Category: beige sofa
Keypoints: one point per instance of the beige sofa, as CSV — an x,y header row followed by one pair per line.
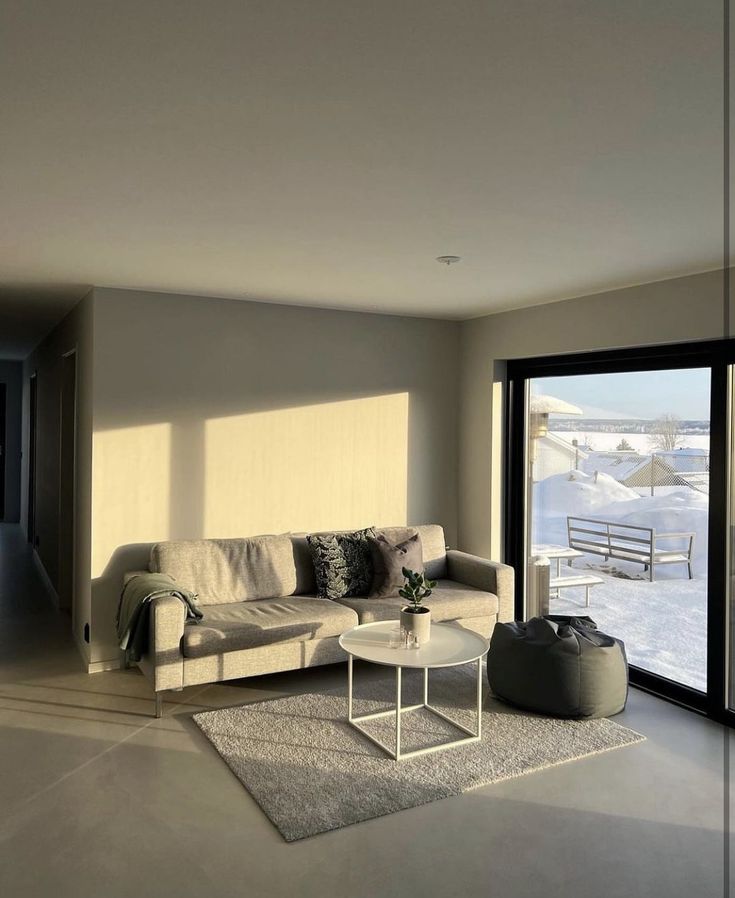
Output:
x,y
262,614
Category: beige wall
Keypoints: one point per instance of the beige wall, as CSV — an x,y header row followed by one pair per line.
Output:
x,y
689,308
74,332
221,418
11,374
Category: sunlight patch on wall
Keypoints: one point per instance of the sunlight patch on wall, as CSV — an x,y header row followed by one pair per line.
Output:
x,y
131,489
335,465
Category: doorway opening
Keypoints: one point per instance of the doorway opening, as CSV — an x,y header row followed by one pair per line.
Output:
x,y
67,477
3,447
32,452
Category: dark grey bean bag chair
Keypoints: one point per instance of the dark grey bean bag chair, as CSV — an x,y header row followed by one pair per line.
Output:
x,y
558,665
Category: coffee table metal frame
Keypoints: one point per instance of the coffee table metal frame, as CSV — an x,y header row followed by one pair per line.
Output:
x,y
398,755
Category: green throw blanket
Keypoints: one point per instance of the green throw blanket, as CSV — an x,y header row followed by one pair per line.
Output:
x,y
133,613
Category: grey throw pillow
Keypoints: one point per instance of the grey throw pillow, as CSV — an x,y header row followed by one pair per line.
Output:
x,y
389,559
342,563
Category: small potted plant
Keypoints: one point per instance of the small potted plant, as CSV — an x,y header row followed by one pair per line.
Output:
x,y
415,618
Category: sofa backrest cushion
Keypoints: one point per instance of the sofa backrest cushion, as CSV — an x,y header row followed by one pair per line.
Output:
x,y
268,567
230,570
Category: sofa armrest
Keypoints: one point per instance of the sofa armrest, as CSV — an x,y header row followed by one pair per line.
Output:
x,y
165,661
499,579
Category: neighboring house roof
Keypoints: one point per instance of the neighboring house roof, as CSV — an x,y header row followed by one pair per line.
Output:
x,y
654,470
688,460
683,467
560,444
541,404
618,465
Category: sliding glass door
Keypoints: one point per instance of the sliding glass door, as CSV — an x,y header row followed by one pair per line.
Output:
x,y
618,501
619,506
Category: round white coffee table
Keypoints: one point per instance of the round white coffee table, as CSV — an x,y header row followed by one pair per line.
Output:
x,y
449,646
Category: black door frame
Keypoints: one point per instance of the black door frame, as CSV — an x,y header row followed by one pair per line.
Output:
x,y
32,453
3,446
67,479
716,355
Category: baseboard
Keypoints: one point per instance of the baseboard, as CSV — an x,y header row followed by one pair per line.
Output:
x,y
82,647
100,666
52,594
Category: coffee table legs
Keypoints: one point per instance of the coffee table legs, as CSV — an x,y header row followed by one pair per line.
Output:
x,y
349,688
396,753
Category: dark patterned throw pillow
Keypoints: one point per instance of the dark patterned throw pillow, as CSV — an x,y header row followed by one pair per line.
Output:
x,y
342,563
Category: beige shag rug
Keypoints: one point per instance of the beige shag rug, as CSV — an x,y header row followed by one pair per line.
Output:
x,y
311,772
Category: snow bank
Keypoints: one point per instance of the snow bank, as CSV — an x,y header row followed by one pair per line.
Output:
x,y
685,511
681,511
578,493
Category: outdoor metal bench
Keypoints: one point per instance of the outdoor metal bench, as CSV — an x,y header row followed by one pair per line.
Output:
x,y
628,542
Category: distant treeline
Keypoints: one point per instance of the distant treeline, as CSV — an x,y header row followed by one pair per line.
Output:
x,y
617,425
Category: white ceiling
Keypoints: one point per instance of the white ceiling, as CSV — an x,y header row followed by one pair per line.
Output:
x,y
324,152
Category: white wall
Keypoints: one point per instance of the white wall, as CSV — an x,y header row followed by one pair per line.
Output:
x,y
216,417
678,310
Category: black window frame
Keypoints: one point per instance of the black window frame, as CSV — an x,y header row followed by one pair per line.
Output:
x,y
717,355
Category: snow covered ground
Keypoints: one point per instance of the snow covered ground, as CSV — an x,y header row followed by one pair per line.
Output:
x,y
662,623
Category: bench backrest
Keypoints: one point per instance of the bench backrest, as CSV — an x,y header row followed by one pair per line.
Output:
x,y
610,535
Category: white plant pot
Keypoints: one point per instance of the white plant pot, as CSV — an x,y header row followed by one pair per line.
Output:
x,y
417,624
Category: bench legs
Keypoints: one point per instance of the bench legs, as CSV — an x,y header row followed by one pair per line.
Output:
x,y
159,704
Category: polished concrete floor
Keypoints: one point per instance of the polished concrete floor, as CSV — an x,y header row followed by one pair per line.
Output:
x,y
98,799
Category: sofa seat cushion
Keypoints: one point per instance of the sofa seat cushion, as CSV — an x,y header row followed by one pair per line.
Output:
x,y
229,570
245,625
449,601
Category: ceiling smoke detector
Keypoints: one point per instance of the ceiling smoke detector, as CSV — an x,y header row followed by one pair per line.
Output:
x,y
448,260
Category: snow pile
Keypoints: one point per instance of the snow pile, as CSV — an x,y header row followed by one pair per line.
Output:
x,y
685,511
578,493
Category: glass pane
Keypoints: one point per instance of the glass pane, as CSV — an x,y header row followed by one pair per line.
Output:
x,y
618,496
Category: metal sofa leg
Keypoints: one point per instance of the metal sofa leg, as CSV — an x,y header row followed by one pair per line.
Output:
x,y
159,704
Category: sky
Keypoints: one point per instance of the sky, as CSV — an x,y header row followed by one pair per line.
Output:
x,y
638,394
